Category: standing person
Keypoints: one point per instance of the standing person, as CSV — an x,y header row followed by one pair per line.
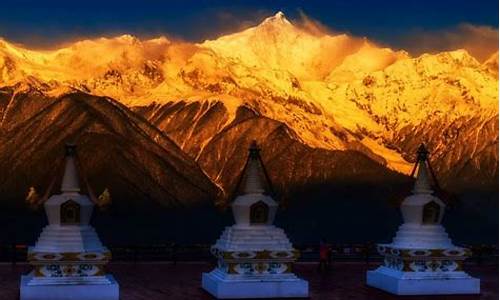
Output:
x,y
174,253
367,251
330,256
324,256
13,248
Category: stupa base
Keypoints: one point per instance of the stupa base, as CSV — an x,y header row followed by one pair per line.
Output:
x,y
422,283
51,291
222,288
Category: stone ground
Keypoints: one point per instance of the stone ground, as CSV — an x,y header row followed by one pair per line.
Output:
x,y
155,281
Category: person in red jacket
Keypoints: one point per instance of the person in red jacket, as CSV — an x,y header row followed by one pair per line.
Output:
x,y
324,256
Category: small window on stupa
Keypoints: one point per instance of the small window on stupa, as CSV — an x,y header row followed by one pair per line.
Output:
x,y
70,213
258,213
431,213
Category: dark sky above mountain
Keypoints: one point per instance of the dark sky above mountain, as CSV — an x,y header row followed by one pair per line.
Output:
x,y
392,22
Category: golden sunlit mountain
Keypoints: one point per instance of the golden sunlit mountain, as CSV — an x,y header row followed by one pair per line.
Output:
x,y
318,97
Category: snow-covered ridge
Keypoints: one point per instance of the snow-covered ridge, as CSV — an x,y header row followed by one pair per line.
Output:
x,y
335,91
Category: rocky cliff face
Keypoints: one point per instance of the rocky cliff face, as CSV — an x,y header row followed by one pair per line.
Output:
x,y
326,108
220,147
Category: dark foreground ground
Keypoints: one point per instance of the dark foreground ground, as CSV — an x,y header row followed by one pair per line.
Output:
x,y
155,281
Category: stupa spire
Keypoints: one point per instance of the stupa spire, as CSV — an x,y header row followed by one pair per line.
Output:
x,y
70,182
422,184
254,178
254,173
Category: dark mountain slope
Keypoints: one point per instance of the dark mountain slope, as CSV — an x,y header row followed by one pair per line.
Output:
x,y
118,149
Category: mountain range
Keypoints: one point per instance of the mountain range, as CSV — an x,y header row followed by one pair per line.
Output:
x,y
171,120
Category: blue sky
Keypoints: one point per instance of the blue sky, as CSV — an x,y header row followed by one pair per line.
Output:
x,y
41,23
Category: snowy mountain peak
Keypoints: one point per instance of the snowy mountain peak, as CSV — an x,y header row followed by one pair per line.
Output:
x,y
491,64
459,56
278,19
128,38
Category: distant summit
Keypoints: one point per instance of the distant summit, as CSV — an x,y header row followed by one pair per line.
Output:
x,y
492,64
277,19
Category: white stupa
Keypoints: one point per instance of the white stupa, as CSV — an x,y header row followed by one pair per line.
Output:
x,y
421,260
254,257
68,258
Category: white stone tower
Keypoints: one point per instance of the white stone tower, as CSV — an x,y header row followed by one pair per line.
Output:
x,y
421,260
254,257
68,259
